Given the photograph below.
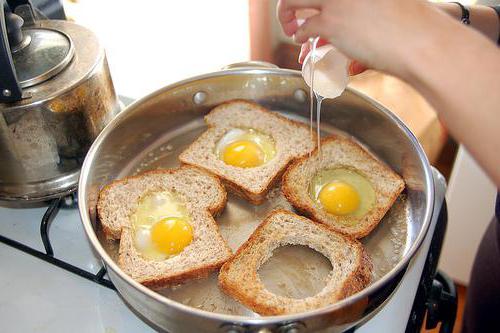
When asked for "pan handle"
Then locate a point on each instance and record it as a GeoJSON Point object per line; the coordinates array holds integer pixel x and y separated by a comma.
{"type": "Point", "coordinates": [292, 327]}
{"type": "Point", "coordinates": [250, 64]}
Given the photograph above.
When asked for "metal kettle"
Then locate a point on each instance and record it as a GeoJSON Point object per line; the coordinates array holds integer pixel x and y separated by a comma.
{"type": "Point", "coordinates": [56, 95]}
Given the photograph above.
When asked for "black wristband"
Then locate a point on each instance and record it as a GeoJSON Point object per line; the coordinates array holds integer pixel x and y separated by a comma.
{"type": "Point", "coordinates": [465, 13]}
{"type": "Point", "coordinates": [497, 10]}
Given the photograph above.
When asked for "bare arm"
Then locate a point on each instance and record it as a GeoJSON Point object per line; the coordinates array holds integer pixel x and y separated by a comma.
{"type": "Point", "coordinates": [456, 68]}
{"type": "Point", "coordinates": [462, 81]}
{"type": "Point", "coordinates": [482, 18]}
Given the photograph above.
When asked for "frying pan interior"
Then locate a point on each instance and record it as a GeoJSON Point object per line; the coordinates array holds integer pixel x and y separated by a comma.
{"type": "Point", "coordinates": [174, 115]}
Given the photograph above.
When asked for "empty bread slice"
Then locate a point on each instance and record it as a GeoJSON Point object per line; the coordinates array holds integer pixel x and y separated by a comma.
{"type": "Point", "coordinates": [200, 195]}
{"type": "Point", "coordinates": [351, 265]}
{"type": "Point", "coordinates": [367, 188]}
{"type": "Point", "coordinates": [281, 139]}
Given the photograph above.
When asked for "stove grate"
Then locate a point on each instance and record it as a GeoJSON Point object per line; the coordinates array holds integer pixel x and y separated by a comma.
{"type": "Point", "coordinates": [48, 255]}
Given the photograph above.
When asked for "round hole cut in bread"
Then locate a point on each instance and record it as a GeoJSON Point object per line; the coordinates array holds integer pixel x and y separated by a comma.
{"type": "Point", "coordinates": [292, 140]}
{"type": "Point", "coordinates": [351, 265]}
{"type": "Point", "coordinates": [341, 152]}
{"type": "Point", "coordinates": [204, 197]}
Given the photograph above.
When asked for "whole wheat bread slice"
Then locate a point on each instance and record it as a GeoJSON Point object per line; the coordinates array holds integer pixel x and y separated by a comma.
{"type": "Point", "coordinates": [292, 140]}
{"type": "Point", "coordinates": [351, 264]}
{"type": "Point", "coordinates": [204, 197]}
{"type": "Point", "coordinates": [337, 151]}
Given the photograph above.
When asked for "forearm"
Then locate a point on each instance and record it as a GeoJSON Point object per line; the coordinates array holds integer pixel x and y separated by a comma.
{"type": "Point", "coordinates": [458, 71]}
{"type": "Point", "coordinates": [455, 67]}
{"type": "Point", "coordinates": [482, 18]}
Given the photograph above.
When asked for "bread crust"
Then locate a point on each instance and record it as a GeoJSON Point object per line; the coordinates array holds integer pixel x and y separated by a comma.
{"type": "Point", "coordinates": [180, 278]}
{"type": "Point", "coordinates": [357, 280]}
{"type": "Point", "coordinates": [254, 197]}
{"type": "Point", "coordinates": [306, 209]}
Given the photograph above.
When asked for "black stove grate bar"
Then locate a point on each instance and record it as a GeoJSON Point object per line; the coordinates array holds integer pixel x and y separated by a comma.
{"type": "Point", "coordinates": [48, 255]}
{"type": "Point", "coordinates": [47, 218]}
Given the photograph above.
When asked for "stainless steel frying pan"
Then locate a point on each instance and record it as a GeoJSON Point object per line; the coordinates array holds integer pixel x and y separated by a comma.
{"type": "Point", "coordinates": [151, 132]}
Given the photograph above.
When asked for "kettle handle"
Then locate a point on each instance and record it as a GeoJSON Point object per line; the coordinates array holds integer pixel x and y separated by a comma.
{"type": "Point", "coordinates": [10, 90]}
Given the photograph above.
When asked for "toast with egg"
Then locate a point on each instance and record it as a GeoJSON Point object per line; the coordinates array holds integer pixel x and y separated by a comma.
{"type": "Point", "coordinates": [342, 186]}
{"type": "Point", "coordinates": [248, 147]}
{"type": "Point", "coordinates": [164, 220]}
{"type": "Point", "coordinates": [351, 265]}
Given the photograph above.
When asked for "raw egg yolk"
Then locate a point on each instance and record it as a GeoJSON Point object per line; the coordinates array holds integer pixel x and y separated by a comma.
{"type": "Point", "coordinates": [339, 198]}
{"type": "Point", "coordinates": [243, 154]}
{"type": "Point", "coordinates": [171, 235]}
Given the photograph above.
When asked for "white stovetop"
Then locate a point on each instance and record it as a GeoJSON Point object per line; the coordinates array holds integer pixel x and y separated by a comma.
{"type": "Point", "coordinates": [38, 297]}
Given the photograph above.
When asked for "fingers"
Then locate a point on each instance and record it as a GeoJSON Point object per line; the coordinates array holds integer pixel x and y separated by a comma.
{"type": "Point", "coordinates": [312, 27]}
{"type": "Point", "coordinates": [287, 18]}
{"type": "Point", "coordinates": [286, 13]}
{"type": "Point", "coordinates": [356, 68]}
{"type": "Point", "coordinates": [306, 48]}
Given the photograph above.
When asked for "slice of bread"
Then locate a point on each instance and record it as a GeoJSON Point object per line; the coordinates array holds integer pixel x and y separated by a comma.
{"type": "Point", "coordinates": [340, 152]}
{"type": "Point", "coordinates": [292, 140]}
{"type": "Point", "coordinates": [351, 264]}
{"type": "Point", "coordinates": [203, 195]}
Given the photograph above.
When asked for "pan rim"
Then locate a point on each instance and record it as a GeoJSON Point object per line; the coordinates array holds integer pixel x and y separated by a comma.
{"type": "Point", "coordinates": [239, 319]}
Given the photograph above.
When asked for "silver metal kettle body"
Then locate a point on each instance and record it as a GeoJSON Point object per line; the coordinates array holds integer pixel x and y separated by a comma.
{"type": "Point", "coordinates": [56, 95]}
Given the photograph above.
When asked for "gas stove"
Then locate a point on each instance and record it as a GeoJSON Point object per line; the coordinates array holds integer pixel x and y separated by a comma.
{"type": "Point", "coordinates": [51, 280]}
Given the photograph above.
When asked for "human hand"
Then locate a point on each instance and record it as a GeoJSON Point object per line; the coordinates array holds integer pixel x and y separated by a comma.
{"type": "Point", "coordinates": [355, 67]}
{"type": "Point", "coordinates": [376, 33]}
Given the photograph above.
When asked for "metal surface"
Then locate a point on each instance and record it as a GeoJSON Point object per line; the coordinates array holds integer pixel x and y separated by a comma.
{"type": "Point", "coordinates": [250, 64]}
{"type": "Point", "coordinates": [25, 42]}
{"type": "Point", "coordinates": [150, 133]}
{"type": "Point", "coordinates": [433, 301]}
{"type": "Point", "coordinates": [45, 136]}
{"type": "Point", "coordinates": [45, 54]}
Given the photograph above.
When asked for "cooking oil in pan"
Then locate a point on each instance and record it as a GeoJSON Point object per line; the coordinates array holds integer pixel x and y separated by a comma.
{"type": "Point", "coordinates": [292, 271]}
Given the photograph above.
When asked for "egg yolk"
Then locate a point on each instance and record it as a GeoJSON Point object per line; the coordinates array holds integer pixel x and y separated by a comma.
{"type": "Point", "coordinates": [339, 198]}
{"type": "Point", "coordinates": [171, 235]}
{"type": "Point", "coordinates": [243, 154]}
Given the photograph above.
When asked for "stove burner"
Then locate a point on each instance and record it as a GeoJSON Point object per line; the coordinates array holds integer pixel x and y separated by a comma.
{"type": "Point", "coordinates": [69, 201]}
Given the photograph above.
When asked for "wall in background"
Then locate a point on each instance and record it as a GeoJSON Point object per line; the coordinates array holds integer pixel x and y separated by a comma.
{"type": "Point", "coordinates": [471, 205]}
{"type": "Point", "coordinates": [150, 44]}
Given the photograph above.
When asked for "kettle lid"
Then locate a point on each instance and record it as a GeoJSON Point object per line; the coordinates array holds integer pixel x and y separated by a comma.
{"type": "Point", "coordinates": [42, 54]}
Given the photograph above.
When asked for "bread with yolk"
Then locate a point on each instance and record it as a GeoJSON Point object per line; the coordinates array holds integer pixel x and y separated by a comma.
{"type": "Point", "coordinates": [241, 165]}
{"type": "Point", "coordinates": [194, 245]}
{"type": "Point", "coordinates": [345, 211]}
